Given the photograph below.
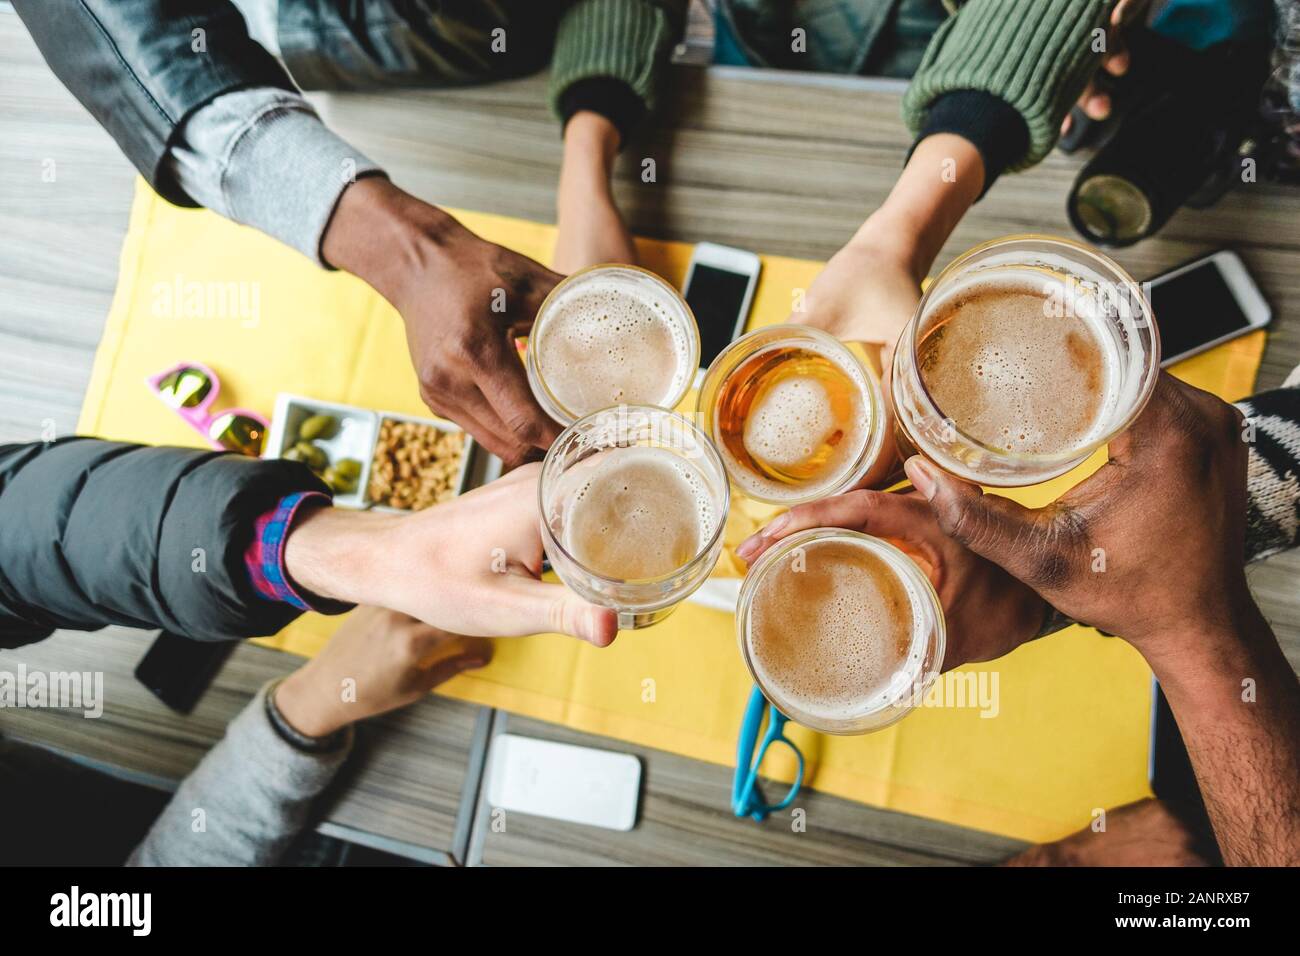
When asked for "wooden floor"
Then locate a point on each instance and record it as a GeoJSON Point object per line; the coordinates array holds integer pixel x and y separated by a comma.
{"type": "Point", "coordinates": [777, 163]}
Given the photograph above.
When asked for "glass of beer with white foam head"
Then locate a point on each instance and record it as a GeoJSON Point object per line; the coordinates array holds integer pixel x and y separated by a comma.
{"type": "Point", "coordinates": [611, 335]}
{"type": "Point", "coordinates": [841, 631]}
{"type": "Point", "coordinates": [1024, 356]}
{"type": "Point", "coordinates": [633, 503]}
{"type": "Point", "coordinates": [794, 413]}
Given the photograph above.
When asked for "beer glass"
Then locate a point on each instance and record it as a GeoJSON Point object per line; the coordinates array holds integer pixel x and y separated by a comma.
{"type": "Point", "coordinates": [611, 335]}
{"type": "Point", "coordinates": [1113, 327]}
{"type": "Point", "coordinates": [795, 415]}
{"type": "Point", "coordinates": [633, 503]}
{"type": "Point", "coordinates": [791, 641]}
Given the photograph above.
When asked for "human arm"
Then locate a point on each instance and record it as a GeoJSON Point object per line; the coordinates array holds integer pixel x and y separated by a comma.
{"type": "Point", "coordinates": [484, 550]}
{"type": "Point", "coordinates": [990, 95]}
{"type": "Point", "coordinates": [1035, 56]}
{"type": "Point", "coordinates": [208, 116]}
{"type": "Point", "coordinates": [99, 533]}
{"type": "Point", "coordinates": [870, 288]}
{"type": "Point", "coordinates": [1172, 496]}
{"type": "Point", "coordinates": [589, 228]}
{"type": "Point", "coordinates": [252, 795]}
{"type": "Point", "coordinates": [610, 56]}
{"type": "Point", "coordinates": [1237, 704]}
{"type": "Point", "coordinates": [141, 67]}
{"type": "Point", "coordinates": [463, 300]}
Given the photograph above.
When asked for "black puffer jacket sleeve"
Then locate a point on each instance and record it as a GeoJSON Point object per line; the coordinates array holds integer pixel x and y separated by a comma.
{"type": "Point", "coordinates": [142, 66]}
{"type": "Point", "coordinates": [95, 533]}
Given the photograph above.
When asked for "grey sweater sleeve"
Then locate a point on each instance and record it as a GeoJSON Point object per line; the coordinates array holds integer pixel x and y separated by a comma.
{"type": "Point", "coordinates": [245, 803]}
{"type": "Point", "coordinates": [262, 157]}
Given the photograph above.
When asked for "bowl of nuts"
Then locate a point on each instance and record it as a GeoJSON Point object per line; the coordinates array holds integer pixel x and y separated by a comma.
{"type": "Point", "coordinates": [417, 463]}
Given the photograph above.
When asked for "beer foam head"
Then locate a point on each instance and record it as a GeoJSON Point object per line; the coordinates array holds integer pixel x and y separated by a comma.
{"type": "Point", "coordinates": [1020, 365]}
{"type": "Point", "coordinates": [614, 336]}
{"type": "Point", "coordinates": [790, 421]}
{"type": "Point", "coordinates": [638, 512]}
{"type": "Point", "coordinates": [810, 424]}
{"type": "Point", "coordinates": [834, 632]}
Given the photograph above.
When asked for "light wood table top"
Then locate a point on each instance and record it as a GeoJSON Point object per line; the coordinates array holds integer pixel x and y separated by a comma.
{"type": "Point", "coordinates": [780, 163]}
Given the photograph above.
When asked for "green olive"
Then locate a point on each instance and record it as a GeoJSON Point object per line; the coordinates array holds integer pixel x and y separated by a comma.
{"type": "Point", "coordinates": [339, 483]}
{"type": "Point", "coordinates": [318, 426]}
{"type": "Point", "coordinates": [348, 468]}
{"type": "Point", "coordinates": [314, 457]}
{"type": "Point", "coordinates": [292, 454]}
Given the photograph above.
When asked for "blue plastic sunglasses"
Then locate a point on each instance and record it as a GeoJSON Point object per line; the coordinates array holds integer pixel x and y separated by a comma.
{"type": "Point", "coordinates": [746, 798]}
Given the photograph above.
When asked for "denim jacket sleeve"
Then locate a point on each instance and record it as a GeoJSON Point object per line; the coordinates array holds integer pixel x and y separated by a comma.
{"type": "Point", "coordinates": [142, 66]}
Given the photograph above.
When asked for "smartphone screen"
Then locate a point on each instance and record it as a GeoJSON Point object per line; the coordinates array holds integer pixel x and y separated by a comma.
{"type": "Point", "coordinates": [1194, 308]}
{"type": "Point", "coordinates": [715, 296]}
{"type": "Point", "coordinates": [178, 670]}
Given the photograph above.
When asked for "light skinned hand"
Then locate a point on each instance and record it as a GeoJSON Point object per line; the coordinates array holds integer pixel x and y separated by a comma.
{"type": "Point", "coordinates": [869, 290]}
{"type": "Point", "coordinates": [589, 229]}
{"type": "Point", "coordinates": [471, 565]}
{"type": "Point", "coordinates": [988, 612]}
{"type": "Point", "coordinates": [393, 660]}
{"type": "Point", "coordinates": [865, 295]}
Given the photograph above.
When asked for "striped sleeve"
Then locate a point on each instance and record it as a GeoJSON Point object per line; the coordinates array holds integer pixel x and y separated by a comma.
{"type": "Point", "coordinates": [1035, 55]}
{"type": "Point", "coordinates": [1273, 475]}
{"type": "Point", "coordinates": [627, 40]}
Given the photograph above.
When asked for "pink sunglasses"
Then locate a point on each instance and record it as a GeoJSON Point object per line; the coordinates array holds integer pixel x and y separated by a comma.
{"type": "Point", "coordinates": [190, 390]}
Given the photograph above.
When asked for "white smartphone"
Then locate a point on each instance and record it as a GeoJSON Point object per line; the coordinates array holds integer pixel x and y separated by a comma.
{"type": "Point", "coordinates": [1203, 303]}
{"type": "Point", "coordinates": [720, 290]}
{"type": "Point", "coordinates": [577, 784]}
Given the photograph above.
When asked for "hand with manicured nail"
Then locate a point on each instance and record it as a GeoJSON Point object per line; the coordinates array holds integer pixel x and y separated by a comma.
{"type": "Point", "coordinates": [469, 566]}
{"type": "Point", "coordinates": [393, 660]}
{"type": "Point", "coordinates": [988, 612]}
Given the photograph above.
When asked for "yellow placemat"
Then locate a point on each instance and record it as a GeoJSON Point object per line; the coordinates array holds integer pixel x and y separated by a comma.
{"type": "Point", "coordinates": [1070, 731]}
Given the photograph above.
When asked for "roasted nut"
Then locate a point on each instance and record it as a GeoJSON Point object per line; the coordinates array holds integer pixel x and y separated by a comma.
{"type": "Point", "coordinates": [415, 466]}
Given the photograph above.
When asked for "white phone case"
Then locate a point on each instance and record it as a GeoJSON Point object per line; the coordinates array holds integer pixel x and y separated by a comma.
{"type": "Point", "coordinates": [576, 784]}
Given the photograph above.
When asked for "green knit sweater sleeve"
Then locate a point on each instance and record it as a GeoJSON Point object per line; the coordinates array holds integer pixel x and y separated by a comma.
{"type": "Point", "coordinates": [1036, 55]}
{"type": "Point", "coordinates": [627, 40]}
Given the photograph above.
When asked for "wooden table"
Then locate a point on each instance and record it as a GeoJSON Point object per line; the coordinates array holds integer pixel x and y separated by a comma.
{"type": "Point", "coordinates": [781, 163]}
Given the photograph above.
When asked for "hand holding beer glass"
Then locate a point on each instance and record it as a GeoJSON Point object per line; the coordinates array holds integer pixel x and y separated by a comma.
{"type": "Point", "coordinates": [1025, 355]}
{"type": "Point", "coordinates": [840, 631]}
{"type": "Point", "coordinates": [633, 502]}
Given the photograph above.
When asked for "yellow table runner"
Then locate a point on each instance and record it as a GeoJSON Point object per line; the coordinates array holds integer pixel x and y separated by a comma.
{"type": "Point", "coordinates": [1070, 731]}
